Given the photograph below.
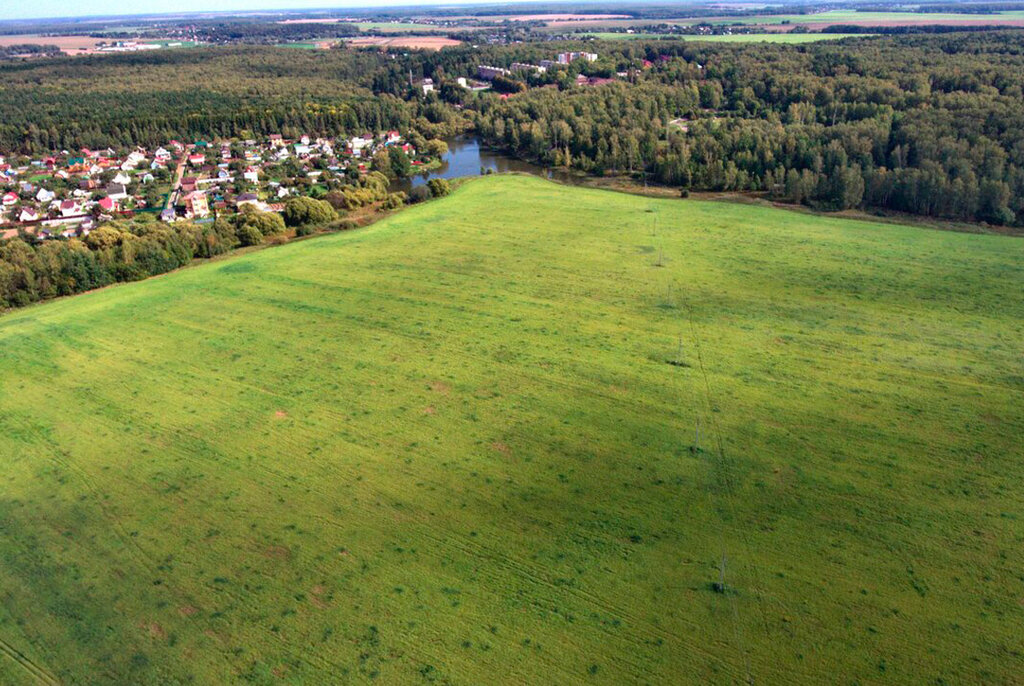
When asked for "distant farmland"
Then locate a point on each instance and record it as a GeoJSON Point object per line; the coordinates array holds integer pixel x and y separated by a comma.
{"type": "Point", "coordinates": [735, 38]}
{"type": "Point", "coordinates": [815, 20]}
{"type": "Point", "coordinates": [69, 44]}
{"type": "Point", "coordinates": [527, 434]}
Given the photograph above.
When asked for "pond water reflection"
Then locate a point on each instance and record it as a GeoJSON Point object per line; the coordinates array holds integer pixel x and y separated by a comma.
{"type": "Point", "coordinates": [466, 157]}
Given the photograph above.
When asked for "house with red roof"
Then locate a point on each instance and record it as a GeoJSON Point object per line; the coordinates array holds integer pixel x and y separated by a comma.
{"type": "Point", "coordinates": [69, 208]}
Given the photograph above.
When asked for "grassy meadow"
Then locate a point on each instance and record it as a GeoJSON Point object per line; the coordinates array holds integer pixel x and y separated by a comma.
{"type": "Point", "coordinates": [511, 436]}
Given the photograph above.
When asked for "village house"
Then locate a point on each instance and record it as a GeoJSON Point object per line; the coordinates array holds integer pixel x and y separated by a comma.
{"type": "Point", "coordinates": [133, 160]}
{"type": "Point", "coordinates": [44, 195]}
{"type": "Point", "coordinates": [116, 192]}
{"type": "Point", "coordinates": [28, 214]}
{"type": "Point", "coordinates": [196, 204]}
{"type": "Point", "coordinates": [69, 208]}
{"type": "Point", "coordinates": [247, 199]}
{"type": "Point", "coordinates": [356, 144]}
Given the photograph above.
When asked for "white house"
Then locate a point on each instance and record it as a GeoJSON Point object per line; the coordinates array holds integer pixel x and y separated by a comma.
{"type": "Point", "coordinates": [357, 143]}
{"type": "Point", "coordinates": [45, 195]}
{"type": "Point", "coordinates": [133, 160]}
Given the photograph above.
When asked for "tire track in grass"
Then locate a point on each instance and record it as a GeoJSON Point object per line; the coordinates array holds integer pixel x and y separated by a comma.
{"type": "Point", "coordinates": [37, 672]}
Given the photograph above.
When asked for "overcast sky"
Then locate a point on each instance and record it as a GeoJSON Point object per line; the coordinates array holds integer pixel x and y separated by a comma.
{"type": "Point", "coordinates": [18, 9]}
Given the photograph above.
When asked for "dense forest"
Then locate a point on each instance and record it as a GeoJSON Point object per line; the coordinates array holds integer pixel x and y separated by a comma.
{"type": "Point", "coordinates": [927, 125]}
{"type": "Point", "coordinates": [930, 125]}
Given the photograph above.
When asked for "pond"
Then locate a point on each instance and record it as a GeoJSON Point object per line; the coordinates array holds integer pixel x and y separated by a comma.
{"type": "Point", "coordinates": [466, 157]}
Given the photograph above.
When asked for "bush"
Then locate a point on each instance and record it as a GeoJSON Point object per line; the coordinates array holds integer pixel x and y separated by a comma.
{"type": "Point", "coordinates": [300, 211]}
{"type": "Point", "coordinates": [249, 235]}
{"type": "Point", "coordinates": [394, 200]}
{"type": "Point", "coordinates": [305, 230]}
{"type": "Point", "coordinates": [439, 187]}
{"type": "Point", "coordinates": [268, 223]}
{"type": "Point", "coordinates": [419, 194]}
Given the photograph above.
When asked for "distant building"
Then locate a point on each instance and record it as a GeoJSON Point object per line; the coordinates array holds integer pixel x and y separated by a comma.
{"type": "Point", "coordinates": [570, 57]}
{"type": "Point", "coordinates": [427, 86]}
{"type": "Point", "coordinates": [490, 73]}
{"type": "Point", "coordinates": [522, 66]}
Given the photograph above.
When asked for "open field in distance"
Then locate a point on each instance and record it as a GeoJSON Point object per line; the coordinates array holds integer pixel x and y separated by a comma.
{"type": "Point", "coordinates": [779, 37]}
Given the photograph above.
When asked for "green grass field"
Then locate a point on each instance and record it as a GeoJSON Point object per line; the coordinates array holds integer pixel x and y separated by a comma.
{"type": "Point", "coordinates": [855, 17]}
{"type": "Point", "coordinates": [461, 446]}
{"type": "Point", "coordinates": [1006, 18]}
{"type": "Point", "coordinates": [791, 38]}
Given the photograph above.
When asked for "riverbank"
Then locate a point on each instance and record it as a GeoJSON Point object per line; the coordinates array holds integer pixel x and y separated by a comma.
{"type": "Point", "coordinates": [468, 158]}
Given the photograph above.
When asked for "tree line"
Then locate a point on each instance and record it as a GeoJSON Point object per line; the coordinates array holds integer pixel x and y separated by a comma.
{"type": "Point", "coordinates": [925, 124]}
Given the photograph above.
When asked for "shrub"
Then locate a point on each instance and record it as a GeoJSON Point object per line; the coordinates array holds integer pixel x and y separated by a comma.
{"type": "Point", "coordinates": [419, 194]}
{"type": "Point", "coordinates": [299, 211]}
{"type": "Point", "coordinates": [394, 200]}
{"type": "Point", "coordinates": [249, 235]}
{"type": "Point", "coordinates": [439, 187]}
{"type": "Point", "coordinates": [268, 223]}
